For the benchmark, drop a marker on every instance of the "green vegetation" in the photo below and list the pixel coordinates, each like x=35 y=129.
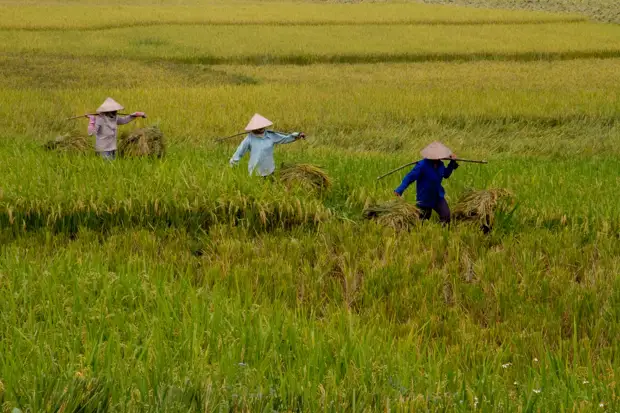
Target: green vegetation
x=47 y=15
x=180 y=284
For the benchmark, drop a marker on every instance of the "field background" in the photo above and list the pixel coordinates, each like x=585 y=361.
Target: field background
x=182 y=285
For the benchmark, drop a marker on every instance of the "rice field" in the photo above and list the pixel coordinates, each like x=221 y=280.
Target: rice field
x=182 y=285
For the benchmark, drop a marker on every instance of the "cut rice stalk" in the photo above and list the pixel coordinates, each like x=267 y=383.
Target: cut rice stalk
x=306 y=176
x=142 y=142
x=480 y=206
x=396 y=213
x=71 y=142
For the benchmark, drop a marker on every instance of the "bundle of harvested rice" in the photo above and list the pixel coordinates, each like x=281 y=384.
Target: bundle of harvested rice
x=142 y=142
x=480 y=206
x=69 y=143
x=396 y=213
x=309 y=177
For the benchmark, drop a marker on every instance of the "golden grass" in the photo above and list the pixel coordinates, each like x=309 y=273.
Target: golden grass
x=70 y=143
x=396 y=213
x=310 y=178
x=142 y=142
x=481 y=205
x=75 y=16
x=307 y=45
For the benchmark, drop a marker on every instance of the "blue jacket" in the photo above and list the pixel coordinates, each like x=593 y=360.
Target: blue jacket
x=429 y=190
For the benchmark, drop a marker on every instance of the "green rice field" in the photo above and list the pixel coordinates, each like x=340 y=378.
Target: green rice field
x=183 y=285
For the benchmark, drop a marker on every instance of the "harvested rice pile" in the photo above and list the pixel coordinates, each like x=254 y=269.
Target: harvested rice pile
x=480 y=206
x=69 y=142
x=396 y=213
x=142 y=142
x=306 y=176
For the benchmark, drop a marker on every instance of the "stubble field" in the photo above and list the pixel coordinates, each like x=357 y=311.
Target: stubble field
x=182 y=285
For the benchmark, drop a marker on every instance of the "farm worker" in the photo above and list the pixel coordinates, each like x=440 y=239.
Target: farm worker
x=104 y=126
x=429 y=173
x=260 y=143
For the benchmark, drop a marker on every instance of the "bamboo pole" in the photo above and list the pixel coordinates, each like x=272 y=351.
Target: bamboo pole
x=413 y=163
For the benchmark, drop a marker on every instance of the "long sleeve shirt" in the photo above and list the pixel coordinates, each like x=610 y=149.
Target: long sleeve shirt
x=428 y=176
x=261 y=151
x=106 y=131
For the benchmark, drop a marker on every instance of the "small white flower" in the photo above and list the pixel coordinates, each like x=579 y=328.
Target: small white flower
x=601 y=404
x=537 y=391
x=535 y=360
x=505 y=366
x=586 y=382
x=516 y=383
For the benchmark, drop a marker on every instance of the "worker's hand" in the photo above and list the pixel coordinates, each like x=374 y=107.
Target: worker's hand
x=453 y=156
x=139 y=115
x=397 y=194
x=301 y=135
x=91 y=125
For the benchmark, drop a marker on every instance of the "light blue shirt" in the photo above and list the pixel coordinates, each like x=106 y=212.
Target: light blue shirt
x=261 y=151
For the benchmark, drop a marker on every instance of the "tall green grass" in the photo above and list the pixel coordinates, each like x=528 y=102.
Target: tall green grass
x=348 y=319
x=181 y=284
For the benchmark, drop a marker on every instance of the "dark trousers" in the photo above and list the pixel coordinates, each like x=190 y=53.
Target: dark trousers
x=441 y=208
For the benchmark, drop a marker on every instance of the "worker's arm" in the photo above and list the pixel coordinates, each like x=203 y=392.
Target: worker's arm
x=243 y=148
x=280 y=138
x=410 y=178
x=450 y=168
x=123 y=120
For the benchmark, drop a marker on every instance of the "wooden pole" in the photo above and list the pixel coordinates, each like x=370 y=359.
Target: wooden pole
x=413 y=163
x=230 y=137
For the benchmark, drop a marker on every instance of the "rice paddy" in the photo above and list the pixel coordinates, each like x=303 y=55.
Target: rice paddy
x=176 y=283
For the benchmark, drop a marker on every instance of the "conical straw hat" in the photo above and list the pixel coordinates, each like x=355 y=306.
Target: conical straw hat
x=110 y=105
x=258 y=122
x=436 y=150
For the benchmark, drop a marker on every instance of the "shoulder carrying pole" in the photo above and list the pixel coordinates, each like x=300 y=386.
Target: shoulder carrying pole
x=465 y=160
x=413 y=163
x=234 y=136
x=230 y=137
x=91 y=114
x=397 y=169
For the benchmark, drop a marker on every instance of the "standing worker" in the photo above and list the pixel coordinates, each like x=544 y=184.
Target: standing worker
x=104 y=126
x=260 y=143
x=429 y=173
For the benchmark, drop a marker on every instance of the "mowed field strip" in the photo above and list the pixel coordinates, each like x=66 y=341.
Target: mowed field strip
x=60 y=16
x=307 y=44
x=183 y=285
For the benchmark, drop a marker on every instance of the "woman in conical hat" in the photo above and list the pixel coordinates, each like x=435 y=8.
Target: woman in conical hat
x=429 y=173
x=105 y=126
x=260 y=142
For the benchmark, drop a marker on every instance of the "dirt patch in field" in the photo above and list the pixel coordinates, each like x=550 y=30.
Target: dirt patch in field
x=600 y=10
